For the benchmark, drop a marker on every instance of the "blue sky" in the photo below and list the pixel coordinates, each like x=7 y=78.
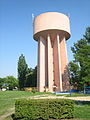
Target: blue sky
x=16 y=31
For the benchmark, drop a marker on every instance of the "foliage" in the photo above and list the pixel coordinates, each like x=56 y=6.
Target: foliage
x=74 y=73
x=22 y=71
x=27 y=76
x=31 y=78
x=9 y=81
x=34 y=77
x=44 y=109
x=34 y=90
x=1 y=82
x=80 y=66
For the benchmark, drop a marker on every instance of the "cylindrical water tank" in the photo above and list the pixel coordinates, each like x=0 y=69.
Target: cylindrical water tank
x=51 y=23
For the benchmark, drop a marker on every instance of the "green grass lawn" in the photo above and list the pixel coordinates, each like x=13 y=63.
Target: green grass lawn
x=82 y=111
x=8 y=98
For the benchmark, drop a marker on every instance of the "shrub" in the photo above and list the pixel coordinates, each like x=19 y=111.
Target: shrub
x=34 y=90
x=43 y=109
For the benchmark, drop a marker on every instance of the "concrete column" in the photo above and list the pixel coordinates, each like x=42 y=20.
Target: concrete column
x=64 y=63
x=63 y=54
x=59 y=62
x=38 y=66
x=56 y=65
x=41 y=64
x=50 y=64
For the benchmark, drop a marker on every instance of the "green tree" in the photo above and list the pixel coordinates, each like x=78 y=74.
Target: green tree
x=80 y=66
x=11 y=82
x=34 y=77
x=1 y=82
x=22 y=71
x=74 y=74
x=31 y=77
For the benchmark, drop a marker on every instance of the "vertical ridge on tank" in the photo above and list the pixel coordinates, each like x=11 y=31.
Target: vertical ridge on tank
x=51 y=30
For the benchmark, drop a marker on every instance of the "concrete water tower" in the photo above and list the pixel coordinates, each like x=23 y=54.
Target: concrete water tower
x=51 y=30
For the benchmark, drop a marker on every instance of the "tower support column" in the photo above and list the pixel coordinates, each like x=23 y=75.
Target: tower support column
x=50 y=64
x=64 y=63
x=41 y=65
x=38 y=65
x=59 y=62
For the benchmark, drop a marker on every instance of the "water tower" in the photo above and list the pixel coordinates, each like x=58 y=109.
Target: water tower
x=51 y=30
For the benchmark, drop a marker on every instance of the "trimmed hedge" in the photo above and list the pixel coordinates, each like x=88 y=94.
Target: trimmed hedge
x=43 y=109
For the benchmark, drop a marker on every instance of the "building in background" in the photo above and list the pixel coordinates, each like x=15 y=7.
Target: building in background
x=51 y=30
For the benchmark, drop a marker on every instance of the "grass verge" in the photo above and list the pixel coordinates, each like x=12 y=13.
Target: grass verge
x=82 y=111
x=8 y=98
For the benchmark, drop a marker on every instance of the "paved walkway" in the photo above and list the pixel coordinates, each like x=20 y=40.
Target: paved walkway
x=10 y=112
x=86 y=98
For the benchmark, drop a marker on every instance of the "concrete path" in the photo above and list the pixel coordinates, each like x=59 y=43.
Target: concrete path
x=86 y=98
x=10 y=112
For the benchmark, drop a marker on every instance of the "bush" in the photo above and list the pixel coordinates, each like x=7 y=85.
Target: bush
x=43 y=109
x=34 y=90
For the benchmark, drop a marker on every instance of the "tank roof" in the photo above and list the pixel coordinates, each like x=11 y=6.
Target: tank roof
x=51 y=23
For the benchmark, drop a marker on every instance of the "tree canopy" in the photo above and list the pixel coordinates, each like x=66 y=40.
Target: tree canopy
x=31 y=78
x=22 y=71
x=80 y=66
x=27 y=76
x=9 y=82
